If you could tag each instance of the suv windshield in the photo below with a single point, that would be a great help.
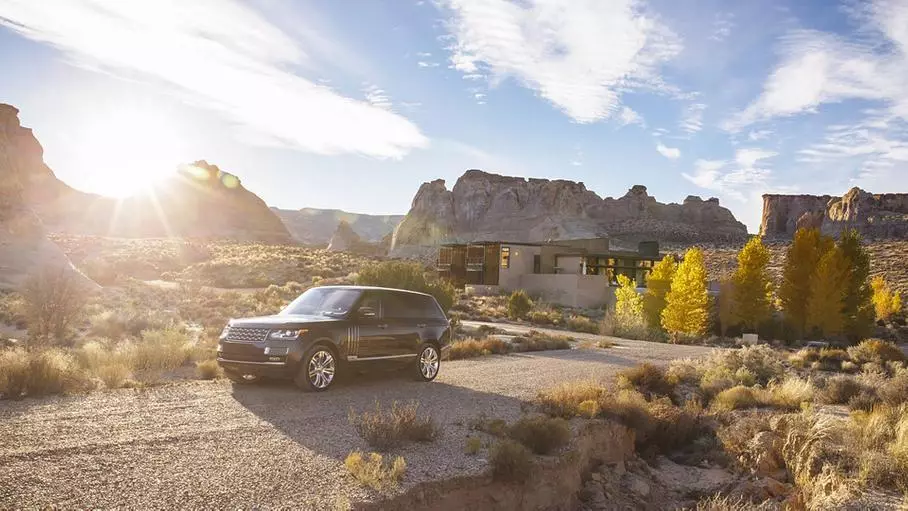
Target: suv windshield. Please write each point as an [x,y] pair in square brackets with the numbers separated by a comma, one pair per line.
[323,301]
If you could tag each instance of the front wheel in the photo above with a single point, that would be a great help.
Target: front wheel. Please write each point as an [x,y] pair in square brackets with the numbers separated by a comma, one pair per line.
[428,362]
[317,371]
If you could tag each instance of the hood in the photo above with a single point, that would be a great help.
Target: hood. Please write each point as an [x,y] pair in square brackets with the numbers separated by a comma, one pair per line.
[289,321]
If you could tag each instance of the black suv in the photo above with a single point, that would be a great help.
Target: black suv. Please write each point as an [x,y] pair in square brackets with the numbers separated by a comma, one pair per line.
[334,328]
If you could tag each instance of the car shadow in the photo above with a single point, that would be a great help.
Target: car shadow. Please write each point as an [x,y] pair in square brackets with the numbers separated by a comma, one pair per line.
[320,421]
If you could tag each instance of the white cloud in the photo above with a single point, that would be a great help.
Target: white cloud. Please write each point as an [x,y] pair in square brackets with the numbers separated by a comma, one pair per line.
[423,54]
[736,178]
[818,67]
[580,55]
[692,119]
[628,116]
[221,55]
[757,135]
[722,25]
[423,63]
[377,97]
[658,132]
[672,153]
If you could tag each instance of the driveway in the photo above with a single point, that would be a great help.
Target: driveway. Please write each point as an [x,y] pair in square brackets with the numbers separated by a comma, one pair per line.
[215,445]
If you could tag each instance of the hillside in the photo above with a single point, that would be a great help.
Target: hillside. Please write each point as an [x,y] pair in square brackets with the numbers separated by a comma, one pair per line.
[484,206]
[314,226]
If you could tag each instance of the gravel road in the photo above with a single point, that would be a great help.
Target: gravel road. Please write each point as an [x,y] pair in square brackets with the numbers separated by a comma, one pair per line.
[215,445]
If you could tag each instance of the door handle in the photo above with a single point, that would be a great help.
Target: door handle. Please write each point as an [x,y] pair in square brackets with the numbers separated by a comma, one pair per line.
[421,325]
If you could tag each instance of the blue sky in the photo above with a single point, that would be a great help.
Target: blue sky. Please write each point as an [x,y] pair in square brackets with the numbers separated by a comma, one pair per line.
[354,104]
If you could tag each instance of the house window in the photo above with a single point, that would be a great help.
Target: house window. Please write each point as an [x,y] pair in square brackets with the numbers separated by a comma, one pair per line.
[505,257]
[537,264]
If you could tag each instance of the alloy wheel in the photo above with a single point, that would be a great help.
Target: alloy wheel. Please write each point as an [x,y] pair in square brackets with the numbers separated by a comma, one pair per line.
[321,369]
[428,362]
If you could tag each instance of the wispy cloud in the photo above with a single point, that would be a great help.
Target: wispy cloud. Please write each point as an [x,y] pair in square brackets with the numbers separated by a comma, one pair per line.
[423,63]
[819,67]
[672,153]
[221,55]
[735,178]
[722,25]
[692,119]
[757,135]
[628,116]
[579,55]
[377,97]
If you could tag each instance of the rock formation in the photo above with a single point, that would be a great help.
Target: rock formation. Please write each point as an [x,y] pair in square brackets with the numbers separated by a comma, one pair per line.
[314,226]
[875,216]
[345,239]
[24,248]
[484,206]
[199,200]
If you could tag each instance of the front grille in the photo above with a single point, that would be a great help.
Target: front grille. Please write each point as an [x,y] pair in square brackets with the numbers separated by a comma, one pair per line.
[244,352]
[237,334]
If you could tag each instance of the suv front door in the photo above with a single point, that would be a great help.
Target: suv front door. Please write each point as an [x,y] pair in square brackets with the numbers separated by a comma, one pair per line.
[405,320]
[369,334]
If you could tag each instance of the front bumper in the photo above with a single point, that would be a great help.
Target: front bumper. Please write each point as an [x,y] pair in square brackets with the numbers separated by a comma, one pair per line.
[271,369]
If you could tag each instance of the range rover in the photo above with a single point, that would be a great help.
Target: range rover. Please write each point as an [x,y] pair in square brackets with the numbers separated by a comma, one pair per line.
[332,329]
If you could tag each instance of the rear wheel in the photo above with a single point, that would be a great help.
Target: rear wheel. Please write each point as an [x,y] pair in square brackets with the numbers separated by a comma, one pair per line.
[318,370]
[428,362]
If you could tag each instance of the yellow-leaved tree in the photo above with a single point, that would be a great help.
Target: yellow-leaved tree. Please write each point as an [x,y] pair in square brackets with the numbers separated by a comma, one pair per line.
[687,302]
[801,261]
[827,295]
[752,286]
[628,302]
[658,283]
[886,302]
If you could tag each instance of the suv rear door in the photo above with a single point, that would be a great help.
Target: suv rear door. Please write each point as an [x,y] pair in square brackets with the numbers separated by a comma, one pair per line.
[403,316]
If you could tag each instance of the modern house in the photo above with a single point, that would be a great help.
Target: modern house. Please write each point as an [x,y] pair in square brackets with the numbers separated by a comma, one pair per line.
[575,273]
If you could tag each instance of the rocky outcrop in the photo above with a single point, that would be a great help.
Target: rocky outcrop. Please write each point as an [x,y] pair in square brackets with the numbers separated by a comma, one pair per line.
[875,216]
[24,247]
[198,200]
[484,206]
[344,239]
[314,226]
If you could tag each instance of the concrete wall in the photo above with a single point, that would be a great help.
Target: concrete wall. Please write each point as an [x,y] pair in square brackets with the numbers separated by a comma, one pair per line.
[571,290]
[521,264]
[569,264]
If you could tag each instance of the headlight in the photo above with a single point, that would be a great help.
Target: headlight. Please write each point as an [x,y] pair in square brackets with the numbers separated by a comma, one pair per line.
[224,332]
[286,335]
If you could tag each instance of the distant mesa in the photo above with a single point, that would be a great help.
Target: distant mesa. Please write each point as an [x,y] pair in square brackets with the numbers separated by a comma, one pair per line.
[314,226]
[484,206]
[875,216]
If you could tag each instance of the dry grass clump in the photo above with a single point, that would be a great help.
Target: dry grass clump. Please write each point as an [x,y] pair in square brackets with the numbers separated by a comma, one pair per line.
[826,359]
[160,350]
[387,429]
[883,446]
[510,461]
[736,398]
[472,445]
[538,341]
[877,351]
[208,369]
[541,434]
[471,348]
[649,379]
[724,369]
[789,394]
[51,371]
[726,503]
[582,324]
[570,399]
[373,472]
[628,328]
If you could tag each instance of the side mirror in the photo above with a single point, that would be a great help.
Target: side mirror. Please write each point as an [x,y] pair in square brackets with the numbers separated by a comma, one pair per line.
[366,313]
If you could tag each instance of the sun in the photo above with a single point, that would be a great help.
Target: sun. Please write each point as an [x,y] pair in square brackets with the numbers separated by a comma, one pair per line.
[125,151]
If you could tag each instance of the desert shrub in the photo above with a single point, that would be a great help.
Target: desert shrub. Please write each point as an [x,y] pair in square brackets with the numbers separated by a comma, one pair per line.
[39,373]
[789,394]
[519,304]
[883,445]
[471,348]
[877,351]
[114,375]
[472,445]
[541,434]
[12,310]
[208,369]
[895,391]
[646,378]
[116,325]
[538,341]
[159,350]
[863,401]
[736,436]
[545,315]
[588,409]
[109,362]
[727,503]
[54,299]
[735,398]
[373,472]
[407,275]
[627,327]
[387,429]
[510,461]
[839,390]
[659,425]
[582,324]
[688,371]
[565,399]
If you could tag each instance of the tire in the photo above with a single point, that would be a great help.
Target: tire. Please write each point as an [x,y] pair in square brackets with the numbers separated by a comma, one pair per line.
[318,369]
[428,362]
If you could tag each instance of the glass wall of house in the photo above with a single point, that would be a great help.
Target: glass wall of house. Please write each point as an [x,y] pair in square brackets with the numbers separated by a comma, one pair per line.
[633,268]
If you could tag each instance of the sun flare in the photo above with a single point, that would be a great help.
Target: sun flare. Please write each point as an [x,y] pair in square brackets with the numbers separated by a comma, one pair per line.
[126,151]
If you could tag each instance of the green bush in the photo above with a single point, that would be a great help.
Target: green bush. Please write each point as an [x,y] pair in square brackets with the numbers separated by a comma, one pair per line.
[541,434]
[407,275]
[519,304]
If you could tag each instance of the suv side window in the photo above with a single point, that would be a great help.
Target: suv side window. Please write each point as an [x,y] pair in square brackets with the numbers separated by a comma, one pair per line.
[400,306]
[430,310]
[371,301]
